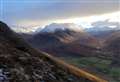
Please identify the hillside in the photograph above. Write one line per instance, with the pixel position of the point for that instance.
(112, 45)
(60, 41)
(97, 51)
(21, 63)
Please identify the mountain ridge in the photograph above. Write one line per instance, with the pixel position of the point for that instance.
(19, 62)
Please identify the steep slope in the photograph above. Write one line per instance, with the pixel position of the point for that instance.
(60, 40)
(113, 38)
(21, 63)
(64, 33)
(112, 45)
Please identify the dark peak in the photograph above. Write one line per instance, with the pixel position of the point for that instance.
(4, 27)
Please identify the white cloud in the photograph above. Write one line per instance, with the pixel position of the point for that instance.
(85, 22)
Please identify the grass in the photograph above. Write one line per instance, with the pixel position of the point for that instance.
(100, 65)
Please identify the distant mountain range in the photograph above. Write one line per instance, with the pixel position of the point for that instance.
(63, 40)
(103, 28)
(69, 32)
(50, 41)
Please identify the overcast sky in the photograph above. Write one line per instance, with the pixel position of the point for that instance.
(40, 12)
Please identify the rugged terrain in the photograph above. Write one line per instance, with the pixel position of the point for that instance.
(97, 50)
(63, 42)
(21, 63)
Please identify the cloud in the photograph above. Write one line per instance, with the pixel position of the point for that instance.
(110, 20)
(14, 11)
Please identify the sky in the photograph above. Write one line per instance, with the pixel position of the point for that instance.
(29, 13)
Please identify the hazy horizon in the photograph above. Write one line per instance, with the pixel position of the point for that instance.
(38, 13)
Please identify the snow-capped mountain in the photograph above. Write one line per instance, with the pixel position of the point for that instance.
(22, 29)
(104, 26)
(61, 26)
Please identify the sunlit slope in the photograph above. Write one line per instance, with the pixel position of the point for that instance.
(19, 62)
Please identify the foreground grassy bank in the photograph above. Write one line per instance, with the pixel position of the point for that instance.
(99, 66)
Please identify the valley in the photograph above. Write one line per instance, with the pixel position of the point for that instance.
(98, 53)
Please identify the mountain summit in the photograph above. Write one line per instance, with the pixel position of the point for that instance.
(61, 26)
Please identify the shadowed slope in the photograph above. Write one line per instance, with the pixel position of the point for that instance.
(21, 63)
